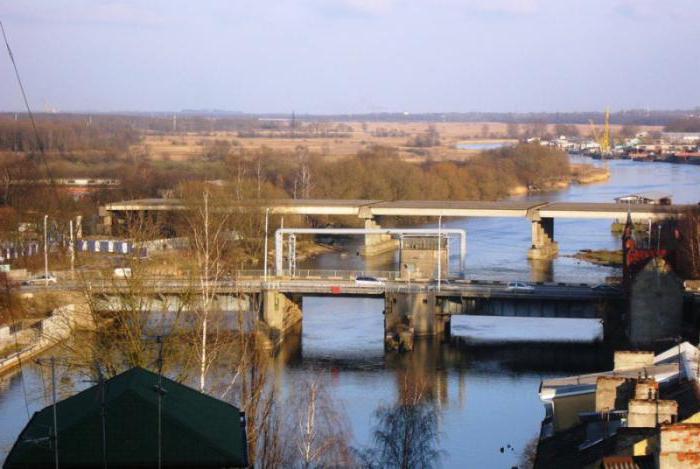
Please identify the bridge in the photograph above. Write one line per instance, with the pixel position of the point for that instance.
(411, 308)
(541, 214)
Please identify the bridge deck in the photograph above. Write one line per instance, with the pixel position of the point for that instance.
(372, 208)
(339, 287)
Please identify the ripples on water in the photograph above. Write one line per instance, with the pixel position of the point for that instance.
(486, 394)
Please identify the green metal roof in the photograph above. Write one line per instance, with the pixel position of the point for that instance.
(197, 430)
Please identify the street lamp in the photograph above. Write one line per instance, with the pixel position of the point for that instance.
(46, 253)
(267, 215)
(439, 266)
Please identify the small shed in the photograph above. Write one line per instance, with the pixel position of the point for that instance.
(128, 421)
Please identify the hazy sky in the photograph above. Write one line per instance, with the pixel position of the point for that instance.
(332, 56)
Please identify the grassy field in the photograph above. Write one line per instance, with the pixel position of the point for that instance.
(189, 146)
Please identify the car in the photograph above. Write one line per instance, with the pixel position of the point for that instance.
(605, 287)
(41, 280)
(367, 281)
(519, 286)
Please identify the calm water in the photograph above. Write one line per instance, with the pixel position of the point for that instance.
(486, 393)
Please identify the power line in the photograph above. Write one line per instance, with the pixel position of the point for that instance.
(29, 112)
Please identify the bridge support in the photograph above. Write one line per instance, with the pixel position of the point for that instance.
(377, 243)
(543, 244)
(409, 314)
(279, 313)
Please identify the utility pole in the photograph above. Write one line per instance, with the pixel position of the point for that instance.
(46, 253)
(71, 249)
(267, 215)
(439, 268)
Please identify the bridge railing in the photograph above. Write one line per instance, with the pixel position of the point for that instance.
(338, 274)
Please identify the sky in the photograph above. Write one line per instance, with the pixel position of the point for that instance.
(352, 56)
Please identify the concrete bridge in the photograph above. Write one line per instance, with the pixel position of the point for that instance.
(541, 214)
(411, 308)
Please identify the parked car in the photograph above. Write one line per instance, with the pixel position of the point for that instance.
(367, 281)
(520, 286)
(41, 280)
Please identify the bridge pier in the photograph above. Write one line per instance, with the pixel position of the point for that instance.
(376, 244)
(543, 244)
(409, 314)
(280, 313)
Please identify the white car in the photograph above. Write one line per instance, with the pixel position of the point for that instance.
(367, 281)
(41, 280)
(520, 286)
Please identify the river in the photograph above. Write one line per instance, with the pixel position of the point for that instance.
(484, 382)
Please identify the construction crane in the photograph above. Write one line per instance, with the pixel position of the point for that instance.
(604, 140)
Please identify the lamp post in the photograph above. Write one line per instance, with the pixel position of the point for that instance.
(267, 215)
(439, 266)
(71, 249)
(46, 253)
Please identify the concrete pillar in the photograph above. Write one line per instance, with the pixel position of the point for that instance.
(376, 243)
(543, 244)
(413, 314)
(279, 314)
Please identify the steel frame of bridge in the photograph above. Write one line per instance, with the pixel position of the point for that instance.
(292, 232)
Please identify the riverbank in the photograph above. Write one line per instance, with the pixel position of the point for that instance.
(602, 257)
(581, 174)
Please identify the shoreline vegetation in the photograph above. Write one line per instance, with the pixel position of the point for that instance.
(600, 257)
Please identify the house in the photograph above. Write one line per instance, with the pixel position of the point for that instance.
(135, 419)
(645, 412)
(649, 197)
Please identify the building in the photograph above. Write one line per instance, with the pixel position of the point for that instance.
(650, 197)
(135, 419)
(645, 412)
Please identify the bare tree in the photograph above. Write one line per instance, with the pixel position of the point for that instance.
(208, 230)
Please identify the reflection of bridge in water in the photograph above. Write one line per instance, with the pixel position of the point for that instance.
(411, 309)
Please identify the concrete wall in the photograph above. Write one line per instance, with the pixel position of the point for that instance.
(655, 305)
(625, 359)
(680, 446)
(566, 409)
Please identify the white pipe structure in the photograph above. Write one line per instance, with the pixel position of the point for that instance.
(279, 238)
